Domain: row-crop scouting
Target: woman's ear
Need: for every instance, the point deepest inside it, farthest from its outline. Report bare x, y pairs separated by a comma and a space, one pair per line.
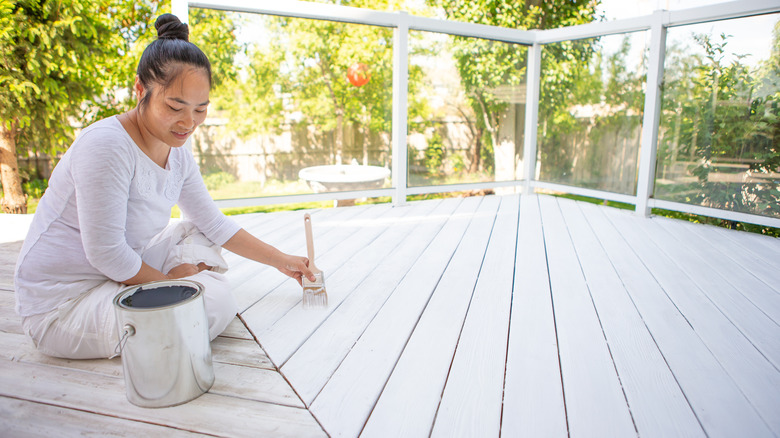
138, 88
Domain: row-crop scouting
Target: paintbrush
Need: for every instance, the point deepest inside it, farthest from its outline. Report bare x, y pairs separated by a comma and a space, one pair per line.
314, 294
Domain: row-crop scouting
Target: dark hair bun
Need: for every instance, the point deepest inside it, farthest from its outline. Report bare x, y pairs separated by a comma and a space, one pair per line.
170, 27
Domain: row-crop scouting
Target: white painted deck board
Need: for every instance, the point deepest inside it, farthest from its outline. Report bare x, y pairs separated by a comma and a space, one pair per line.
719, 403
438, 326
533, 391
756, 377
749, 319
769, 242
749, 285
472, 398
285, 295
763, 248
407, 406
587, 369
331, 342
348, 397
252, 281
341, 278
656, 400
765, 267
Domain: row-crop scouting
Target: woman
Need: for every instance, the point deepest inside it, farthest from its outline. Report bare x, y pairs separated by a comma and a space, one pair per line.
103, 222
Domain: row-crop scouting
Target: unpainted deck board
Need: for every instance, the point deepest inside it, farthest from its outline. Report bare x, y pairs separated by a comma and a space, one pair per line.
8, 255
103, 394
9, 319
22, 418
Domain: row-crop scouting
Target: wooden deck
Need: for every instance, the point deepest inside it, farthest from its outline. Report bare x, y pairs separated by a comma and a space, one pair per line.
487, 316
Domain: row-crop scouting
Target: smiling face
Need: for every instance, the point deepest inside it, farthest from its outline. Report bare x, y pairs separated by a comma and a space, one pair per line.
172, 113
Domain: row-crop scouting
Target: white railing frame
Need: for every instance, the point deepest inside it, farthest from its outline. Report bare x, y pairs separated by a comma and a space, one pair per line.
400, 102
533, 79
402, 22
652, 113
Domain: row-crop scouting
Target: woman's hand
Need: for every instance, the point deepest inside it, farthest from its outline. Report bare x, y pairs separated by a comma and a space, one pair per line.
246, 245
295, 267
186, 270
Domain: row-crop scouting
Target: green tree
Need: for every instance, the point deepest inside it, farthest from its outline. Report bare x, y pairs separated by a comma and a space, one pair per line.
54, 56
319, 87
718, 113
65, 64
296, 75
484, 65
215, 33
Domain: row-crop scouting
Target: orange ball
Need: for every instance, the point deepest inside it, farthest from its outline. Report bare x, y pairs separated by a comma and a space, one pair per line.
358, 74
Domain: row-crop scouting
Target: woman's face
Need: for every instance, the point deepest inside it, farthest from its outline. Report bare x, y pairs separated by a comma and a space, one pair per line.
173, 113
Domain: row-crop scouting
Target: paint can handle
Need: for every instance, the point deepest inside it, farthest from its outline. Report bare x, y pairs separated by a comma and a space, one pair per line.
128, 330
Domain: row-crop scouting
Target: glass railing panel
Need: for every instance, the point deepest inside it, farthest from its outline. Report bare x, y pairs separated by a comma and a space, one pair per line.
308, 110
466, 109
590, 112
720, 123
621, 9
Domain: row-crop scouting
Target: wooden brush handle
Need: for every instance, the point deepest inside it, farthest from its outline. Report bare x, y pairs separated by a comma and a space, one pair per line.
309, 239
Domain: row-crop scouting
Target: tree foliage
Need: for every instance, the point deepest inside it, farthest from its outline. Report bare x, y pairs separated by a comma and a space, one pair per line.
68, 63
486, 65
54, 57
718, 115
296, 74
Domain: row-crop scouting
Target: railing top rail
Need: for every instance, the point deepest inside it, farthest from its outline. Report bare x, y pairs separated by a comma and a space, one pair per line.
302, 9
349, 14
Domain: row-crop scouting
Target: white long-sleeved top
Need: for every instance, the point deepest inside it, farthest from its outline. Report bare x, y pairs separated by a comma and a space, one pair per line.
105, 201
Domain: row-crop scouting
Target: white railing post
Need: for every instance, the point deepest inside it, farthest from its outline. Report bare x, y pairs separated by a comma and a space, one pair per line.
652, 113
400, 98
180, 8
533, 77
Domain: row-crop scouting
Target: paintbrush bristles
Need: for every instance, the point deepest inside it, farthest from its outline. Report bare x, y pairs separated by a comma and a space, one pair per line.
314, 294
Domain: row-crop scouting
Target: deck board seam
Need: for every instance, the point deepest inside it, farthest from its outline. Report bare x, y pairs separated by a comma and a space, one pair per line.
599, 319
554, 319
644, 323
511, 305
465, 318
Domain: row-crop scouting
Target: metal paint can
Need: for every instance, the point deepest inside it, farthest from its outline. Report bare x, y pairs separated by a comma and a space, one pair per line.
165, 347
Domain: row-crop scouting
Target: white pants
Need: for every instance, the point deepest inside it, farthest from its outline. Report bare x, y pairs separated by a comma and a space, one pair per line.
85, 327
